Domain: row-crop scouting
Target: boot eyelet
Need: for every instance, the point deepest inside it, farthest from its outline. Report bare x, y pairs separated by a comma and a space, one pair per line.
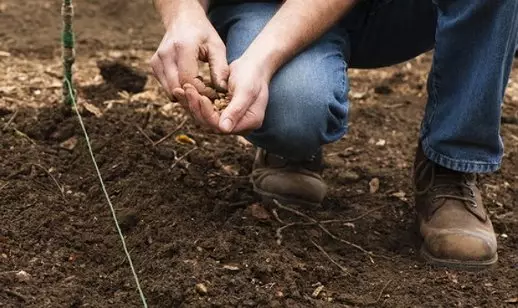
473, 203
471, 193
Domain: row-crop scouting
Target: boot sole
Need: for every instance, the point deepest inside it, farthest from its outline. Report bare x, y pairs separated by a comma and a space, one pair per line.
268, 198
456, 264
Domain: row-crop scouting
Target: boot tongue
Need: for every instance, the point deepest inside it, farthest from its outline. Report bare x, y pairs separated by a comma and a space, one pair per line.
456, 179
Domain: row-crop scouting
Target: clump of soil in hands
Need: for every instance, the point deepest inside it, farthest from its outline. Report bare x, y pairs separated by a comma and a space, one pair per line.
220, 98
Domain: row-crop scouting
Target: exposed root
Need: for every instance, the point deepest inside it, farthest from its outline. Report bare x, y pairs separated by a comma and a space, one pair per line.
60, 188
319, 225
169, 134
322, 250
179, 159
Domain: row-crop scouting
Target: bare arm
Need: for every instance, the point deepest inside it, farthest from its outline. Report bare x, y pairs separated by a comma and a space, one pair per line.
169, 9
296, 25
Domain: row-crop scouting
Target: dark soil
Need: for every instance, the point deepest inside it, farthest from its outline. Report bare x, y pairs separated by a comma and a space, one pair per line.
188, 212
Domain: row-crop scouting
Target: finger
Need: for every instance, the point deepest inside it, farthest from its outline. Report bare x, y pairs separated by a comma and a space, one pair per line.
179, 94
254, 116
170, 71
209, 113
219, 70
187, 61
159, 74
236, 109
193, 99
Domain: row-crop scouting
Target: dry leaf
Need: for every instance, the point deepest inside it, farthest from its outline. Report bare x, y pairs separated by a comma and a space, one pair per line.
259, 212
4, 54
69, 144
374, 185
184, 139
93, 109
400, 195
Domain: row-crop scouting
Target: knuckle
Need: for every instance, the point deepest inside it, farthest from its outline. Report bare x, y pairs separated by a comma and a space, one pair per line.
161, 53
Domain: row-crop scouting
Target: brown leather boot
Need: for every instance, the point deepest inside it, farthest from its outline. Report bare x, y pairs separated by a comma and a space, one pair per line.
275, 177
453, 222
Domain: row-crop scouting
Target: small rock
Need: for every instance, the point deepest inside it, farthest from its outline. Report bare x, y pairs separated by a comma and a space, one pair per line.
279, 294
4, 54
201, 289
374, 185
23, 276
503, 235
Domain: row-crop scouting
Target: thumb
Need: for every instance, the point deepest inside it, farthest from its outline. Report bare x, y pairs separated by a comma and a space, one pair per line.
219, 70
236, 109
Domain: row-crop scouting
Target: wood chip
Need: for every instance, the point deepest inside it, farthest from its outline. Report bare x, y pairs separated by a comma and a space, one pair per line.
374, 185
317, 291
201, 289
92, 109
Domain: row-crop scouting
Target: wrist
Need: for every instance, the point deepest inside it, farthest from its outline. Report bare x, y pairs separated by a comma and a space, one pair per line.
172, 10
267, 60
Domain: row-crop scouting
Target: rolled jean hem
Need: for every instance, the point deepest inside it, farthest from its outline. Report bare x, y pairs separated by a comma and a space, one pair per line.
456, 164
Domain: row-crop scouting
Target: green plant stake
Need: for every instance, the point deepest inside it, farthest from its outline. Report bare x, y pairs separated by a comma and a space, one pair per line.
68, 52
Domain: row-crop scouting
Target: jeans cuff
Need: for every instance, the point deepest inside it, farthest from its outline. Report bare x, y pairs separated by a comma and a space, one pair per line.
459, 165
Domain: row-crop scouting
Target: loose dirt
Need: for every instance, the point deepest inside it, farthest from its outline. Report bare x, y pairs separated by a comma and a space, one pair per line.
197, 234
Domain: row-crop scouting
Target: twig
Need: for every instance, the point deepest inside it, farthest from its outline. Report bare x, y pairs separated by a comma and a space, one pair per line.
24, 136
333, 221
11, 119
380, 294
61, 189
329, 257
144, 134
171, 133
15, 294
296, 212
182, 157
4, 186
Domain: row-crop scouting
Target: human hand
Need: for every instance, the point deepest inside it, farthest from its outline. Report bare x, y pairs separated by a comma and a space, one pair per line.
248, 93
189, 38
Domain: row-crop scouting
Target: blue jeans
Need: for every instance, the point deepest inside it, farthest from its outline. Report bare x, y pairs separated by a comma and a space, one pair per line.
474, 44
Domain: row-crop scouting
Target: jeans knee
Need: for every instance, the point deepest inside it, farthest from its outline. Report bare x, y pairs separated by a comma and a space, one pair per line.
302, 115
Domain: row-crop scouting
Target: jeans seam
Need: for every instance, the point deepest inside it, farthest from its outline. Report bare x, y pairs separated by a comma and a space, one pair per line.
458, 164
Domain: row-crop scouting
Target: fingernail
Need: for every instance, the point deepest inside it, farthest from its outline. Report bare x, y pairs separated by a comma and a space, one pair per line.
226, 125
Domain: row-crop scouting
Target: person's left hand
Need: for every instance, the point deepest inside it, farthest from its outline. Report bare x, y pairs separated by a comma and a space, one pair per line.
248, 88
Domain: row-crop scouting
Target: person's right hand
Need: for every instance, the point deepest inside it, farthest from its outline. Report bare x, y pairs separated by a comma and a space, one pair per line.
189, 37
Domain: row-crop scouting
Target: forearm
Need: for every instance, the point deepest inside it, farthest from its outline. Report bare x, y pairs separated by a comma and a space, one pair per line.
169, 9
296, 25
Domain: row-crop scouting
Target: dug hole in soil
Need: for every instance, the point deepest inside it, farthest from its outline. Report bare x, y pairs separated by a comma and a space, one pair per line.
197, 234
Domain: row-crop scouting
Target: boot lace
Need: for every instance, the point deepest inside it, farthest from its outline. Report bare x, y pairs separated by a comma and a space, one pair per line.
448, 185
